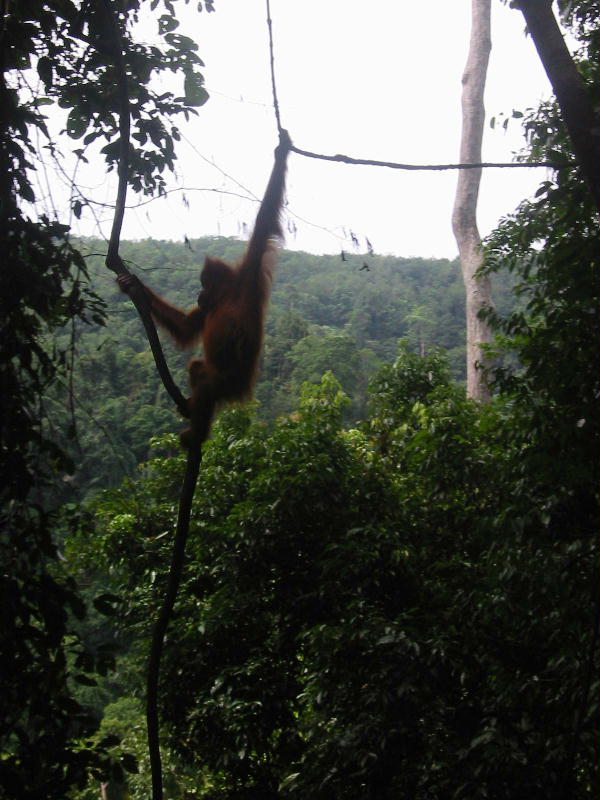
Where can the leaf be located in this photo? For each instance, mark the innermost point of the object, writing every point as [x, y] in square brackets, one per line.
[77, 124]
[112, 740]
[195, 93]
[289, 780]
[185, 43]
[105, 604]
[167, 23]
[44, 70]
[129, 763]
[91, 137]
[77, 606]
[84, 680]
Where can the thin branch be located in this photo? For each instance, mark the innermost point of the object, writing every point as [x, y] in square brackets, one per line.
[106, 430]
[272, 59]
[159, 357]
[432, 167]
[74, 188]
[218, 168]
[194, 458]
[113, 259]
[252, 198]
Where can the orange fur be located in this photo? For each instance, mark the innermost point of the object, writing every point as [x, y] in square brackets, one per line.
[229, 316]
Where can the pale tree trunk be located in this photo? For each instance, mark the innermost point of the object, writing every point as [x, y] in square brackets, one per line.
[464, 220]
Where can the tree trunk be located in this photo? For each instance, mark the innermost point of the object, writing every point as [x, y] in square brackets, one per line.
[464, 220]
[573, 98]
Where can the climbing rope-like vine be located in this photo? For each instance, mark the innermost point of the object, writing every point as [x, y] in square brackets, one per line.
[115, 263]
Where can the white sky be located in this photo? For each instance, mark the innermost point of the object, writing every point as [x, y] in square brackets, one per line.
[379, 80]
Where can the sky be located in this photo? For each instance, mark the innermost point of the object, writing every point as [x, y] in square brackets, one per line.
[378, 80]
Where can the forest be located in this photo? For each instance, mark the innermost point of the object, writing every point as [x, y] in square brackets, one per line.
[325, 315]
[390, 587]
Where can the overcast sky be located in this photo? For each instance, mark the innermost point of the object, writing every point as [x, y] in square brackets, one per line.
[378, 80]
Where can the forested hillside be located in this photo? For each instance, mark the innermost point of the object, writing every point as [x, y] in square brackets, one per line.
[326, 314]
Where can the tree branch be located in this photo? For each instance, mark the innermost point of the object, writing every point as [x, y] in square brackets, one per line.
[194, 458]
[272, 61]
[573, 98]
[114, 261]
[432, 167]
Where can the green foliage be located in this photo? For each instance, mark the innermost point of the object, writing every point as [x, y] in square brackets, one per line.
[119, 403]
[339, 583]
[551, 244]
[407, 381]
[299, 479]
[48, 36]
[43, 726]
[124, 728]
[407, 609]
[404, 609]
[46, 744]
